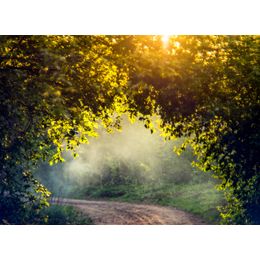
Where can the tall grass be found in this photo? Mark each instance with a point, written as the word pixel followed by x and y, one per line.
pixel 65 215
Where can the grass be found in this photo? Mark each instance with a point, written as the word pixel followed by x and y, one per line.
pixel 201 199
pixel 65 215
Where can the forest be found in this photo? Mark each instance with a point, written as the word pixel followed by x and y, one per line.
pixel 166 120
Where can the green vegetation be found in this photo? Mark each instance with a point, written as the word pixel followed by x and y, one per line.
pixel 55 91
pixel 64 215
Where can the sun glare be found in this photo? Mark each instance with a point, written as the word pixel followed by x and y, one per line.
pixel 165 39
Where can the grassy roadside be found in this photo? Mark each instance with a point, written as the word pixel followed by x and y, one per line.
pixel 200 199
pixel 65 215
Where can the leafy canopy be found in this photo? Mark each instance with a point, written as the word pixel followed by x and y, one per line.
pixel 56 90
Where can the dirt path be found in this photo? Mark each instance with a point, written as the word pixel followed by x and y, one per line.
pixel 122 213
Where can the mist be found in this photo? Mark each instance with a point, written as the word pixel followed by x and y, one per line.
pixel 132 156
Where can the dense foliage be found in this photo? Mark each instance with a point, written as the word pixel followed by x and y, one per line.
pixel 55 90
pixel 207 89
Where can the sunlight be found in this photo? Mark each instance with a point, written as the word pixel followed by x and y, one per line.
pixel 165 39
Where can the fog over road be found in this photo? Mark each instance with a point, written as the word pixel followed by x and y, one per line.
pixel 122 213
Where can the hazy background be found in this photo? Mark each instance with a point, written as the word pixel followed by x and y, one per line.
pixel 132 156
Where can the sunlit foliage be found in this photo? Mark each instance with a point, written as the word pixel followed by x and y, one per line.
pixel 53 90
pixel 207 89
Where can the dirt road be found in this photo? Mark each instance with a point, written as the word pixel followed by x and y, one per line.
pixel 122 213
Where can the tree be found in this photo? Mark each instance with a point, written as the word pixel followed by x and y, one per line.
pixel 206 88
pixel 53 90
